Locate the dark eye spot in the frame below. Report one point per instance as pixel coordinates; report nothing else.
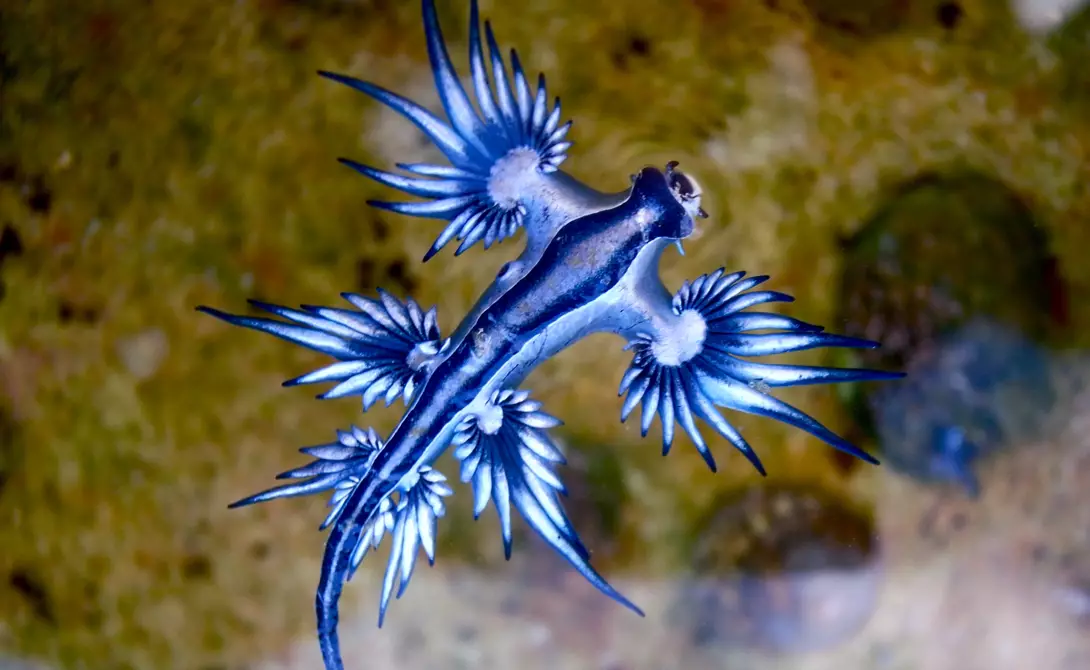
(365, 274)
(10, 451)
(636, 45)
(34, 592)
(378, 228)
(10, 243)
(399, 274)
(639, 45)
(259, 550)
(196, 567)
(1039, 553)
(949, 14)
(40, 200)
(68, 312)
(681, 184)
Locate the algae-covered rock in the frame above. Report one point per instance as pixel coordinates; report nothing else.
(1071, 44)
(860, 18)
(941, 253)
(780, 567)
(975, 390)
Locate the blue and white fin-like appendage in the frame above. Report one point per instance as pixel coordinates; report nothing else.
(337, 466)
(506, 453)
(411, 521)
(383, 348)
(492, 154)
(683, 374)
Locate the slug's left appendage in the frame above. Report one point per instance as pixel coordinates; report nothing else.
(683, 372)
(508, 457)
(383, 348)
(495, 156)
(411, 520)
(338, 467)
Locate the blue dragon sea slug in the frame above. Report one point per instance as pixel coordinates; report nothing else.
(590, 264)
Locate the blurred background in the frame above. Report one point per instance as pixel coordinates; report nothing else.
(913, 171)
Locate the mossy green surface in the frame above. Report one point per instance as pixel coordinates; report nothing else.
(157, 156)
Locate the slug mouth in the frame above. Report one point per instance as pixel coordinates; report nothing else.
(686, 190)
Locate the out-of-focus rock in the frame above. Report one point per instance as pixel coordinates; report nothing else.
(956, 280)
(781, 568)
(968, 394)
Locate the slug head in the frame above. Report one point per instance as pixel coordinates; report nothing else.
(664, 192)
(686, 190)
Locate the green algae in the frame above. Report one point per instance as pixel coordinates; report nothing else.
(187, 151)
(1071, 45)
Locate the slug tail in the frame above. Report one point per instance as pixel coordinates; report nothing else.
(336, 564)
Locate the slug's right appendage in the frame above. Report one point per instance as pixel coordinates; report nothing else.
(410, 520)
(495, 156)
(411, 523)
(684, 372)
(338, 467)
(507, 455)
(383, 348)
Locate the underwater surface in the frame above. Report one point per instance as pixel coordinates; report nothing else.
(912, 172)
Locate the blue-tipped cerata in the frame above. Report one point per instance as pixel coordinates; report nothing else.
(686, 380)
(590, 265)
(494, 153)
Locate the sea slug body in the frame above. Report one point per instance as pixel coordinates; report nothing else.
(590, 264)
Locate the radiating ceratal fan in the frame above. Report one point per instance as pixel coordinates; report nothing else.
(716, 372)
(493, 156)
(383, 347)
(590, 264)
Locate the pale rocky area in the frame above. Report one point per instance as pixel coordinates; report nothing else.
(999, 583)
(1045, 15)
